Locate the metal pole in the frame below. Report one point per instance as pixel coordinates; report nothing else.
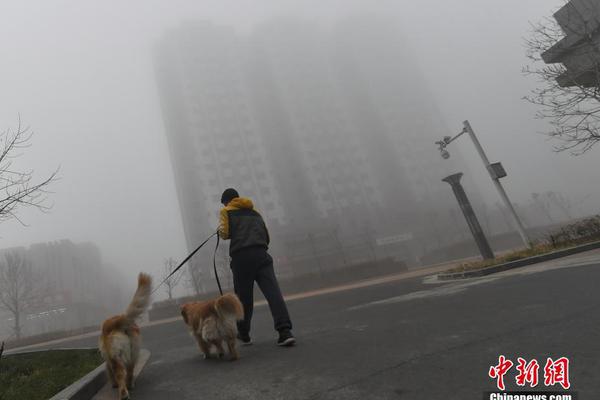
(503, 195)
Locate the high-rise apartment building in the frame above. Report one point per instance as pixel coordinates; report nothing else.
(213, 136)
(297, 56)
(330, 131)
(398, 118)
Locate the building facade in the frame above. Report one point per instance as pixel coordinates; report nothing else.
(329, 131)
(579, 49)
(72, 288)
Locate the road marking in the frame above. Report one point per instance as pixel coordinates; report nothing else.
(446, 290)
(587, 259)
(460, 285)
(357, 328)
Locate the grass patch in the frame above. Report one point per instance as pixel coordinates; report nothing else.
(536, 250)
(580, 232)
(41, 375)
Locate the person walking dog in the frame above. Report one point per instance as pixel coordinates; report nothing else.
(250, 262)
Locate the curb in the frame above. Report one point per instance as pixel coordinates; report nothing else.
(107, 392)
(519, 263)
(84, 388)
(88, 386)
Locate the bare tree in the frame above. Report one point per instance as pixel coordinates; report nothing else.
(569, 98)
(563, 203)
(539, 203)
(17, 287)
(172, 281)
(195, 278)
(17, 187)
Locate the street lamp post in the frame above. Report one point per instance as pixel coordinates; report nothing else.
(495, 170)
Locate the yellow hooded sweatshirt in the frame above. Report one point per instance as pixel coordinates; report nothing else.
(241, 223)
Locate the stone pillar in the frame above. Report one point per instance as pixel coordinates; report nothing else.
(465, 206)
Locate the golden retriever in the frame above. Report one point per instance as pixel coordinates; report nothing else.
(120, 338)
(213, 322)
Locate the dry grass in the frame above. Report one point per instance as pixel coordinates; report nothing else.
(537, 250)
(581, 232)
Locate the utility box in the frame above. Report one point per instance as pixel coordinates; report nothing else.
(497, 170)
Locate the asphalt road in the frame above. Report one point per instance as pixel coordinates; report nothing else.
(410, 339)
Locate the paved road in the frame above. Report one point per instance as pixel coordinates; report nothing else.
(410, 339)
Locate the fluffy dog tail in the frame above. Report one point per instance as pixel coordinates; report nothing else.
(141, 298)
(229, 305)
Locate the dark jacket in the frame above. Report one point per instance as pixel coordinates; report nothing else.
(241, 223)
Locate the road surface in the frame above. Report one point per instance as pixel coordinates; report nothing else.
(406, 339)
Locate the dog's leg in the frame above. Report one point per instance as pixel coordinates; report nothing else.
(120, 377)
(135, 352)
(232, 345)
(204, 347)
(219, 345)
(130, 368)
(110, 373)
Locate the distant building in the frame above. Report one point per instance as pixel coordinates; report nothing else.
(335, 148)
(75, 288)
(397, 119)
(330, 161)
(213, 137)
(579, 50)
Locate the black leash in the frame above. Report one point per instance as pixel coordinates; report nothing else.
(190, 256)
(215, 265)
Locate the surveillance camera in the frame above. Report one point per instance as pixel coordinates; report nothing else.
(445, 154)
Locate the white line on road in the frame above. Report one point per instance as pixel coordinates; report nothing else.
(421, 294)
(461, 285)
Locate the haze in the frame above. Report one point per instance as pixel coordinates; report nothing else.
(81, 75)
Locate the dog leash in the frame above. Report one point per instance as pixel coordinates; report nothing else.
(215, 265)
(190, 256)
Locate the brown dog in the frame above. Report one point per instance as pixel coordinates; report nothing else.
(214, 322)
(120, 339)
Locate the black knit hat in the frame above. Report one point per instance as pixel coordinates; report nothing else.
(228, 195)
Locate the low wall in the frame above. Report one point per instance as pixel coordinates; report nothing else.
(45, 337)
(315, 279)
(300, 283)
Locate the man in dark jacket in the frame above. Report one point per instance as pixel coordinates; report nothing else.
(251, 262)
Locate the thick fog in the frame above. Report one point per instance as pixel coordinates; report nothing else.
(81, 75)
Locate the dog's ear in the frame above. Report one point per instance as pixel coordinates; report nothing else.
(184, 314)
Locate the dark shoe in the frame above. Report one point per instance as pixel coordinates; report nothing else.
(245, 339)
(286, 338)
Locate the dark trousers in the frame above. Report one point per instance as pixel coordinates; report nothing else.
(255, 264)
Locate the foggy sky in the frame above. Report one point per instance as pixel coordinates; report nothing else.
(80, 74)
